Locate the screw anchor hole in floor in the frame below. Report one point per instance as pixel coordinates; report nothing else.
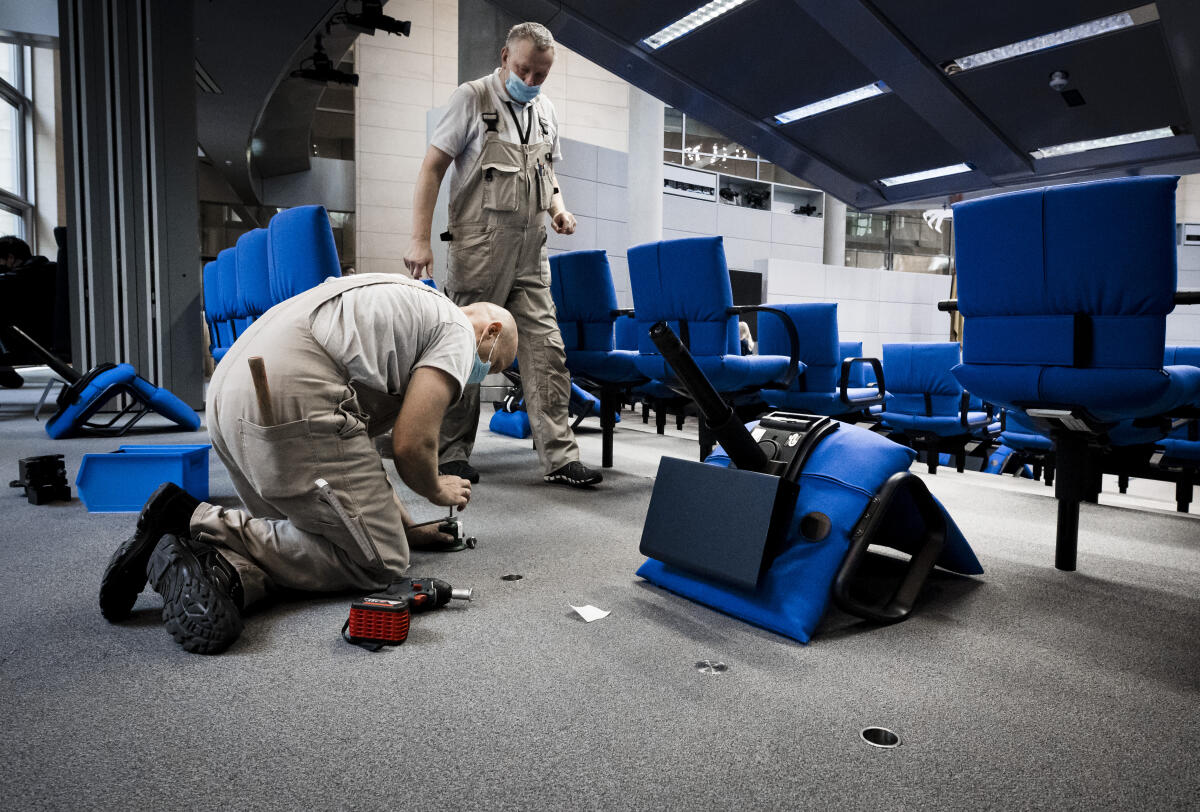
(880, 737)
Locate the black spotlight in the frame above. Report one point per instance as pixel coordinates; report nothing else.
(319, 68)
(371, 17)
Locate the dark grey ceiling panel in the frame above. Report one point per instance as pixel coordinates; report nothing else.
(767, 57)
(1125, 83)
(949, 29)
(877, 138)
(631, 20)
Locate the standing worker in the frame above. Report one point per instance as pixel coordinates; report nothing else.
(501, 134)
(343, 361)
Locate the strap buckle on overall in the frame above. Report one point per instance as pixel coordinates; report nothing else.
(492, 120)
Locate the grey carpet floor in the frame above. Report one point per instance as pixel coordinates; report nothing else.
(1026, 688)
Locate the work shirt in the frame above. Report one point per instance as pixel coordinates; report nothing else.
(383, 333)
(460, 133)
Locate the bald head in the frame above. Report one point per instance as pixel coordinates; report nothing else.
(495, 333)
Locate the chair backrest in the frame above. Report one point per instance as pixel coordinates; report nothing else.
(820, 350)
(1032, 263)
(860, 374)
(914, 371)
(226, 297)
(582, 287)
(301, 252)
(685, 283)
(211, 289)
(253, 274)
(626, 333)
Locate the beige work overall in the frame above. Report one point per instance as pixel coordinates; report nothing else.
(498, 254)
(289, 537)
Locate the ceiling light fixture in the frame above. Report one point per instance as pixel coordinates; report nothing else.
(832, 103)
(1094, 28)
(685, 25)
(1101, 143)
(927, 174)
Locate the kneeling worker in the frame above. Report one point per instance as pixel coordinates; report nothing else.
(345, 360)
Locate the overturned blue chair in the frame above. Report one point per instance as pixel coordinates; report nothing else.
(685, 283)
(1065, 293)
(86, 394)
(831, 383)
(586, 303)
(928, 409)
(785, 529)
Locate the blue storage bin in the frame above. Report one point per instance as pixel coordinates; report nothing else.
(122, 481)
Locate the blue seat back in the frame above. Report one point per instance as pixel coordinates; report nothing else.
(685, 280)
(210, 287)
(226, 296)
(820, 350)
(1181, 356)
(1065, 293)
(301, 252)
(913, 371)
(626, 333)
(582, 287)
(253, 274)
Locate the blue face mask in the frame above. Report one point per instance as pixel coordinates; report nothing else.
(520, 91)
(480, 369)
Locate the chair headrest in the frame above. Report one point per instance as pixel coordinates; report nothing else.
(301, 252)
(227, 285)
(816, 326)
(582, 286)
(253, 274)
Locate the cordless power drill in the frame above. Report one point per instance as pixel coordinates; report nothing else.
(381, 619)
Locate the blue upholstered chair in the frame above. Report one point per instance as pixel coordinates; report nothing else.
(301, 252)
(225, 297)
(927, 406)
(253, 275)
(685, 283)
(827, 384)
(652, 395)
(212, 309)
(1065, 293)
(586, 303)
(1029, 445)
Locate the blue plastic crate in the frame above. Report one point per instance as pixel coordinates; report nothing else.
(122, 481)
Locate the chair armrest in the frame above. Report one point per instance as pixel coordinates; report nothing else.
(964, 409)
(844, 382)
(1186, 297)
(948, 305)
(793, 337)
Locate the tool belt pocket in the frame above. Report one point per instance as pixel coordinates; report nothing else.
(501, 185)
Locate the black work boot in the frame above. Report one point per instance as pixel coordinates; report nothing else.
(168, 510)
(202, 594)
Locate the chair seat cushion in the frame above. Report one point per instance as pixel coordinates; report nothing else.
(827, 403)
(1025, 442)
(941, 425)
(1108, 394)
(618, 366)
(727, 373)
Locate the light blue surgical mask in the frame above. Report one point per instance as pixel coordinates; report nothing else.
(520, 91)
(480, 369)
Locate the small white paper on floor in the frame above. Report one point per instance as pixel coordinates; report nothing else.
(590, 613)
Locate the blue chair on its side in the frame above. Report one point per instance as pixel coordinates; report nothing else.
(826, 386)
(253, 275)
(1065, 293)
(685, 284)
(301, 252)
(927, 406)
(586, 303)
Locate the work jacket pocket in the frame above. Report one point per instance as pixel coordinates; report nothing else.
(501, 184)
(546, 181)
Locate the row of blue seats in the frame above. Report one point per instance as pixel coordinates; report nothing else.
(612, 349)
(292, 254)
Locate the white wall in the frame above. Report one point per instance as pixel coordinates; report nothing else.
(750, 234)
(1187, 199)
(1183, 325)
(874, 307)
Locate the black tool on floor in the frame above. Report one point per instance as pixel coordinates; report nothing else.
(44, 479)
(452, 526)
(382, 618)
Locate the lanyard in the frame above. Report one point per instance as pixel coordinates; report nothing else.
(517, 123)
